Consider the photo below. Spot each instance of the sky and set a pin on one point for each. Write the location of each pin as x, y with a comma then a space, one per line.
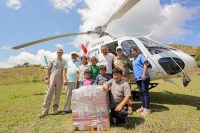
21, 21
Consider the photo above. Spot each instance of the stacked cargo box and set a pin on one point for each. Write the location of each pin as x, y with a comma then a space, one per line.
90, 109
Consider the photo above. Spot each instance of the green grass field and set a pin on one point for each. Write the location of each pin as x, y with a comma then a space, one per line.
175, 109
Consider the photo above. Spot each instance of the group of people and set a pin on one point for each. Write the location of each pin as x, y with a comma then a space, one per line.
113, 72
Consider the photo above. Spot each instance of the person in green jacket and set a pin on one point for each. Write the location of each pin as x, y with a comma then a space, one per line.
94, 68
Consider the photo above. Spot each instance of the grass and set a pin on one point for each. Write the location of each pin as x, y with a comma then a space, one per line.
175, 109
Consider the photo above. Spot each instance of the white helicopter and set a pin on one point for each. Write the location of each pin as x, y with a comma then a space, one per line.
165, 62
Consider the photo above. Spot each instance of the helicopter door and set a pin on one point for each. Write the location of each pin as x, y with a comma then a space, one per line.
126, 46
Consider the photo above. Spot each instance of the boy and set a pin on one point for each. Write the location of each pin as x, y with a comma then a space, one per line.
120, 94
102, 77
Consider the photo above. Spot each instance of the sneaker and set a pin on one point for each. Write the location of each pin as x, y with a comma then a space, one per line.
55, 113
65, 112
43, 115
140, 110
146, 112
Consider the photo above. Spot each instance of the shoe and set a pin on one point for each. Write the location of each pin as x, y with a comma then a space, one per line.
130, 110
65, 112
146, 112
55, 113
43, 115
140, 110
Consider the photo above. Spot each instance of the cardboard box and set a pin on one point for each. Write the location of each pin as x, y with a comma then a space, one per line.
90, 110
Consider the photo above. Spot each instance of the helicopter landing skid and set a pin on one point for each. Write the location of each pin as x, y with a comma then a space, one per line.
136, 94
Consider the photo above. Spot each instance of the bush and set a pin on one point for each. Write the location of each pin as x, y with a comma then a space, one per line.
197, 55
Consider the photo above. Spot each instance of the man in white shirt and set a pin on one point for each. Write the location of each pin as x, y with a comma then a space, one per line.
69, 79
106, 59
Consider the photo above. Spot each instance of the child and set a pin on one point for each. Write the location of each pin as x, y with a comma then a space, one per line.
120, 94
81, 71
102, 77
87, 78
94, 68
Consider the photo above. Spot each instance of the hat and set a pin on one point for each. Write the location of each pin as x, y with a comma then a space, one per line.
87, 71
118, 47
60, 50
74, 52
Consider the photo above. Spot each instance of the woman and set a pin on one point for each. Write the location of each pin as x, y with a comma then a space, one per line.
142, 79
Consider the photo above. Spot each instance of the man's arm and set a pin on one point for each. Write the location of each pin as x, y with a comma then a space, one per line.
48, 72
122, 104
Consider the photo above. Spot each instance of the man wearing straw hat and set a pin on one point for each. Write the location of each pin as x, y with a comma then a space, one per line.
69, 78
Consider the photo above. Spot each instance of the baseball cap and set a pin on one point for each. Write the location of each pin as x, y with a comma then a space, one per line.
118, 47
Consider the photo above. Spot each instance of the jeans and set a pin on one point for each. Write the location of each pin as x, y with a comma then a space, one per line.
119, 117
80, 83
144, 92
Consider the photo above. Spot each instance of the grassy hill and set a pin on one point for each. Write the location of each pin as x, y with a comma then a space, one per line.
21, 75
191, 50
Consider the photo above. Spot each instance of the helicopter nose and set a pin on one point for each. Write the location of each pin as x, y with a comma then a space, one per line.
188, 60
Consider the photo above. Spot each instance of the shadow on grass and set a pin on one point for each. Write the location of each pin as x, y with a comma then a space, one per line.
132, 122
175, 99
155, 107
44, 93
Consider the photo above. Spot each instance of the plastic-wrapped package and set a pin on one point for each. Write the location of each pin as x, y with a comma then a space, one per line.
90, 109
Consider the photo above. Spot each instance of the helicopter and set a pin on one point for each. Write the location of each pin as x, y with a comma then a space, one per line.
164, 61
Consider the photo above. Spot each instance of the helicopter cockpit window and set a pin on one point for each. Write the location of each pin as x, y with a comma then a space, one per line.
126, 46
112, 47
154, 47
171, 65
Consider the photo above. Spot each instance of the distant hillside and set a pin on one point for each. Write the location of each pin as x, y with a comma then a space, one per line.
21, 75
191, 50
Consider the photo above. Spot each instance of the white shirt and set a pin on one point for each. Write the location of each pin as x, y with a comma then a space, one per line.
81, 70
106, 60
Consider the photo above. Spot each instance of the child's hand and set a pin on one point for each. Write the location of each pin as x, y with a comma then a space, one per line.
118, 108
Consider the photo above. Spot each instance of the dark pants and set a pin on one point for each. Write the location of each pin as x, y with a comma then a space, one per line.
110, 76
144, 92
119, 117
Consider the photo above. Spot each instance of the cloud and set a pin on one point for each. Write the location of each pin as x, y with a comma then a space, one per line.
168, 21
64, 5
6, 48
14, 4
24, 56
59, 46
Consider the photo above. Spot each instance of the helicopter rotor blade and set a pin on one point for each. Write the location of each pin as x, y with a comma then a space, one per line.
51, 38
123, 9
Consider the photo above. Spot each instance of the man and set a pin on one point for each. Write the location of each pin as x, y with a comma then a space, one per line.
69, 78
106, 59
54, 81
122, 61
